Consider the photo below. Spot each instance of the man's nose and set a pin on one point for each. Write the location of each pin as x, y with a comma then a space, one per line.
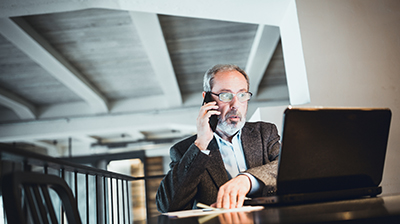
234, 102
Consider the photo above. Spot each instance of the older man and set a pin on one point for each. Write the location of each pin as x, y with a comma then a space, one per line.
221, 168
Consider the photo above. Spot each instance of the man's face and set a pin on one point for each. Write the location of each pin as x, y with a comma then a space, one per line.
233, 113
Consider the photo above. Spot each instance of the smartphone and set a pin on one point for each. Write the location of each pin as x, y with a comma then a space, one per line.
214, 118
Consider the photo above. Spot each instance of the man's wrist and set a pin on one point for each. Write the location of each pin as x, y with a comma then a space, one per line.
254, 184
199, 145
203, 150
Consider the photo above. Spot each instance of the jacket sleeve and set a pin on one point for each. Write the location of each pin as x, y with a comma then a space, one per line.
178, 189
267, 173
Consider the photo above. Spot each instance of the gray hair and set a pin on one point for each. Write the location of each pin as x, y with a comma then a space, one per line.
210, 74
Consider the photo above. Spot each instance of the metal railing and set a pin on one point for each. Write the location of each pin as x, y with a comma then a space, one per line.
110, 202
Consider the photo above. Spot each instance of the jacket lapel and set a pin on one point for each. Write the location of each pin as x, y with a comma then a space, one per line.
252, 146
216, 165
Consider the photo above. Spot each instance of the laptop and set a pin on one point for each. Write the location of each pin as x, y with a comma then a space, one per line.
330, 154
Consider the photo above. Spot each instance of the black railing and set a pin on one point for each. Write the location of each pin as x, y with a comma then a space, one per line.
112, 201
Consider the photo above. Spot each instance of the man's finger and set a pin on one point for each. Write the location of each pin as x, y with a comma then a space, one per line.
233, 196
226, 201
240, 201
220, 197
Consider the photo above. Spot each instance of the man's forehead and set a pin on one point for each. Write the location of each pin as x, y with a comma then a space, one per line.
225, 80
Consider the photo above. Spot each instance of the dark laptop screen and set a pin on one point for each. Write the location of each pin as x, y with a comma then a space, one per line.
332, 149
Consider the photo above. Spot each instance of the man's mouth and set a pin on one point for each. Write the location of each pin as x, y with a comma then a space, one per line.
234, 118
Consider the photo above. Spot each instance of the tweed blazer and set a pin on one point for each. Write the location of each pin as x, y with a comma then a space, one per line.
196, 177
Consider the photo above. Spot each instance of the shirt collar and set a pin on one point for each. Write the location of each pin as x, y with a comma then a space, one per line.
219, 139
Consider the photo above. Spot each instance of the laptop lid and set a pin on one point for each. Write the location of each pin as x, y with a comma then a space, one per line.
328, 149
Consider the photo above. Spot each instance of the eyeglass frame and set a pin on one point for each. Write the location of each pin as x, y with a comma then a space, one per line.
233, 95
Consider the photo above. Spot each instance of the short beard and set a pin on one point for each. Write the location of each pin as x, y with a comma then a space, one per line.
229, 129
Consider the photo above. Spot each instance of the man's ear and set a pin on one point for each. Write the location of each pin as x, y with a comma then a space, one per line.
204, 93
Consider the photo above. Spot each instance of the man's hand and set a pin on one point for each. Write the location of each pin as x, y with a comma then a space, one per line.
204, 132
233, 193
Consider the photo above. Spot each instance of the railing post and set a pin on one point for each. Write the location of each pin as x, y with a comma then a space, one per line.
112, 200
123, 201
128, 201
105, 199
99, 198
117, 180
76, 185
45, 169
62, 174
87, 198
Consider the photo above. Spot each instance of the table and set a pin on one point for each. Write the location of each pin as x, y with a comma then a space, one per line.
383, 209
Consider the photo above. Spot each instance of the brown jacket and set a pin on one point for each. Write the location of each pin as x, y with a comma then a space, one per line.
196, 177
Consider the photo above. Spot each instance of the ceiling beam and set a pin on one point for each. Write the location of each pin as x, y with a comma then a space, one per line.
295, 67
264, 45
181, 119
85, 139
269, 12
152, 38
48, 146
96, 125
135, 134
24, 37
20, 106
130, 105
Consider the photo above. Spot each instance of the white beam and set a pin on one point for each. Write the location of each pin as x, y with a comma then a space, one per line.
264, 45
152, 38
268, 12
84, 139
295, 67
96, 125
49, 149
20, 106
181, 119
72, 109
135, 134
24, 37
42, 144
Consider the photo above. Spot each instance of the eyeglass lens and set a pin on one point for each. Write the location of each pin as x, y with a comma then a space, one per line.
227, 97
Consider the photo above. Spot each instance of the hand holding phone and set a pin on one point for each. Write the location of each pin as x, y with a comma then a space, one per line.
214, 118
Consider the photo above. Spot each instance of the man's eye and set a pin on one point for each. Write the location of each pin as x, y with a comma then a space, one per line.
226, 95
240, 95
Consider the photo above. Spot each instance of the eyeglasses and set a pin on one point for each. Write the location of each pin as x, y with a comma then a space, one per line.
227, 96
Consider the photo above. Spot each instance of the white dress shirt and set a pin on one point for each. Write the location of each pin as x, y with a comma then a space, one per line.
234, 161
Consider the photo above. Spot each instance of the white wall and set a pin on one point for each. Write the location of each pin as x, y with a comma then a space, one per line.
352, 56
270, 114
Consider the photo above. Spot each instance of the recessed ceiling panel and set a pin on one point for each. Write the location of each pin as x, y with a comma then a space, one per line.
197, 44
104, 47
273, 86
24, 78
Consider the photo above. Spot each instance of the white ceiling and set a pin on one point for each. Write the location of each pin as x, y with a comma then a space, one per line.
95, 74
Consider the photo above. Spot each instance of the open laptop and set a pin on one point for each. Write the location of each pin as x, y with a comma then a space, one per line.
330, 154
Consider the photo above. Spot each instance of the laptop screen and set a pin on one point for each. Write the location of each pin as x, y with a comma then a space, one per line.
325, 149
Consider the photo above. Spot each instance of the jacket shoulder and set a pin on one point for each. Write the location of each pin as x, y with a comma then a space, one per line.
259, 124
184, 143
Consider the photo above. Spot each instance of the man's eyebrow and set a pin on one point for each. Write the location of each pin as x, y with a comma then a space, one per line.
225, 90
228, 90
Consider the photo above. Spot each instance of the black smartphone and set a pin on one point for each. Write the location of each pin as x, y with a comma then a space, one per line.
214, 118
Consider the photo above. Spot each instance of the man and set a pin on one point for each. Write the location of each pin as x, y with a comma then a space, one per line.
240, 159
